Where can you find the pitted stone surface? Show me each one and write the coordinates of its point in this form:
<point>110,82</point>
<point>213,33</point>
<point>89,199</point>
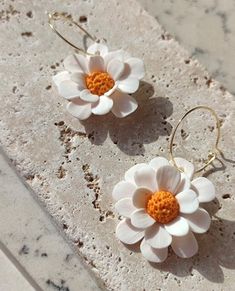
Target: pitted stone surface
<point>72,166</point>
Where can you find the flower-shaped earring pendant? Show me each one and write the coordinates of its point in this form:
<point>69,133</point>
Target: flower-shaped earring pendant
<point>160,203</point>
<point>161,208</point>
<point>99,81</point>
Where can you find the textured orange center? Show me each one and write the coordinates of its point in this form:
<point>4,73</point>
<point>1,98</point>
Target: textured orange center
<point>99,83</point>
<point>163,207</point>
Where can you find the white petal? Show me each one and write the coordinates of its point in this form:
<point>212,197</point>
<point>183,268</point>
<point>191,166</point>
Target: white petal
<point>186,166</point>
<point>98,48</point>
<point>60,77</point>
<point>204,189</point>
<point>136,68</point>
<point>158,162</point>
<point>157,237</point>
<point>185,246</point>
<point>123,190</point>
<point>199,221</point>
<point>111,91</point>
<point>128,85</point>
<point>177,227</point>
<point>79,109</point>
<point>69,90</point>
<point>123,104</point>
<point>188,201</point>
<point>151,254</point>
<point>86,95</point>
<point>96,64</point>
<point>104,105</point>
<point>125,207</point>
<point>76,63</point>
<point>140,218</point>
<point>127,233</point>
<point>140,197</point>
<point>115,68</point>
<point>184,184</point>
<point>146,177</point>
<point>168,178</point>
<point>129,175</point>
<point>79,79</point>
<point>117,55</point>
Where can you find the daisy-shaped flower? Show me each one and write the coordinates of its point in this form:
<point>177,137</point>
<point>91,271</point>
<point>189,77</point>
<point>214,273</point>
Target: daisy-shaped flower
<point>100,83</point>
<point>160,206</point>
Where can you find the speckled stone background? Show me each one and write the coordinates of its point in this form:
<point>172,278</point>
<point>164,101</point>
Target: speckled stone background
<point>72,166</point>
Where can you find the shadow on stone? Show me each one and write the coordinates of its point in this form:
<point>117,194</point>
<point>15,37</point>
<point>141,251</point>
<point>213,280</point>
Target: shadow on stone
<point>144,126</point>
<point>215,167</point>
<point>135,248</point>
<point>227,159</point>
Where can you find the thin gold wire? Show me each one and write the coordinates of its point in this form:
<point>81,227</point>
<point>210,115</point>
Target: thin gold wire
<point>58,16</point>
<point>213,153</point>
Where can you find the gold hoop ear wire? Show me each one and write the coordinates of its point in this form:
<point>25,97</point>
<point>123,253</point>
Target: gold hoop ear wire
<point>58,16</point>
<point>212,154</point>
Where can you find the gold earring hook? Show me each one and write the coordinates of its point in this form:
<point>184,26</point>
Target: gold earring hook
<point>58,16</point>
<point>212,154</point>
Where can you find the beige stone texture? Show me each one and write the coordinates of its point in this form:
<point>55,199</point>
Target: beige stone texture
<point>72,166</point>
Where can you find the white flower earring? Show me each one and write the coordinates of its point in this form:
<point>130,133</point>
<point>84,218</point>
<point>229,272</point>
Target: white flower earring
<point>98,81</point>
<point>160,204</point>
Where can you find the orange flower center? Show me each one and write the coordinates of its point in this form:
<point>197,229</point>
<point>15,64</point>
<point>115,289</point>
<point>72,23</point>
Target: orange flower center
<point>99,83</point>
<point>163,207</point>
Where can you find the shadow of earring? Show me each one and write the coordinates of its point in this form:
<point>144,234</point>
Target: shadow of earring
<point>144,126</point>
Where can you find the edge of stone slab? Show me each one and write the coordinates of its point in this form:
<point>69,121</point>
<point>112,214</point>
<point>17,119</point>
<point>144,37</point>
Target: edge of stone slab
<point>55,222</point>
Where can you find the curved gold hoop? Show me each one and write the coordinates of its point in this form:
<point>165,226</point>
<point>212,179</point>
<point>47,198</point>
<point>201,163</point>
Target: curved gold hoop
<point>213,153</point>
<point>58,16</point>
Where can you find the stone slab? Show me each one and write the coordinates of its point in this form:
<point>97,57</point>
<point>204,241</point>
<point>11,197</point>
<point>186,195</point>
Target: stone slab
<point>34,250</point>
<point>205,28</point>
<point>10,278</point>
<point>72,166</point>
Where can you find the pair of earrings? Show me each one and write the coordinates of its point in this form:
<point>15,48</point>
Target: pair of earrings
<point>159,202</point>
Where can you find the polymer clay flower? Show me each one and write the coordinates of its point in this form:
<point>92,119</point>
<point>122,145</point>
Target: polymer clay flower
<point>161,208</point>
<point>100,83</point>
